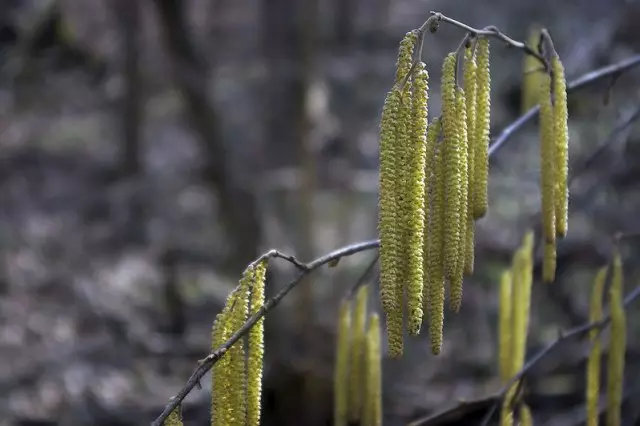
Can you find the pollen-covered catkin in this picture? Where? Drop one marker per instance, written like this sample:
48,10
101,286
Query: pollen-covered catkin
435,271
457,280
549,262
482,130
174,418
595,354
505,326
221,372
256,347
470,76
522,281
617,346
526,418
357,353
547,160
532,69
433,132
237,355
561,131
452,166
416,193
341,369
372,415
388,224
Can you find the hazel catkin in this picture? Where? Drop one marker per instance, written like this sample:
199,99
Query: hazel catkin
432,224
482,129
416,198
617,346
341,369
357,353
595,354
470,76
372,415
547,160
256,347
452,149
561,133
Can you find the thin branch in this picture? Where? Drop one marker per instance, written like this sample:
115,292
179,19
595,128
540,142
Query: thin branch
208,362
585,80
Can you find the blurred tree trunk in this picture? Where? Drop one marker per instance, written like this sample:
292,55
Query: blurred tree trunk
130,165
238,206
345,16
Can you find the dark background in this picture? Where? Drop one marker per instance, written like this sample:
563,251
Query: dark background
150,149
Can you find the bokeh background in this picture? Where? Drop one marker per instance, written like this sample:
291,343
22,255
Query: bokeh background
150,149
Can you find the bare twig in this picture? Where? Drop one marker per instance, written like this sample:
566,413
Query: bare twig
585,80
208,362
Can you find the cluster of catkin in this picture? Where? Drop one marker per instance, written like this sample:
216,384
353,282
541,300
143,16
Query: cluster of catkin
554,161
617,346
513,324
237,377
357,380
433,187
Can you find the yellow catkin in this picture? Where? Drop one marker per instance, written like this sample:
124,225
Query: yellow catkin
404,147
433,131
532,68
416,193
341,370
372,414
237,354
526,418
505,326
470,76
457,280
174,418
522,281
506,411
561,130
617,347
595,354
435,273
357,353
388,227
256,348
549,262
453,167
547,161
221,372
482,130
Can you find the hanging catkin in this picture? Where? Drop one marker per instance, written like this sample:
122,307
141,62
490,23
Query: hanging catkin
435,271
547,160
416,186
256,347
388,228
561,131
457,280
482,129
357,353
341,369
505,326
617,347
595,354
470,76
452,148
372,415
237,355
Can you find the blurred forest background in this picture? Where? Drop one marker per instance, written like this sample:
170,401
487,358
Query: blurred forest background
150,149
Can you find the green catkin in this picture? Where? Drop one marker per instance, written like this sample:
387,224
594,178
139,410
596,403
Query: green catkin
372,415
522,280
561,129
526,418
453,167
237,354
470,76
505,326
221,379
416,186
549,262
256,347
617,346
388,226
433,131
547,161
435,273
341,370
482,129
404,132
457,280
357,353
595,354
